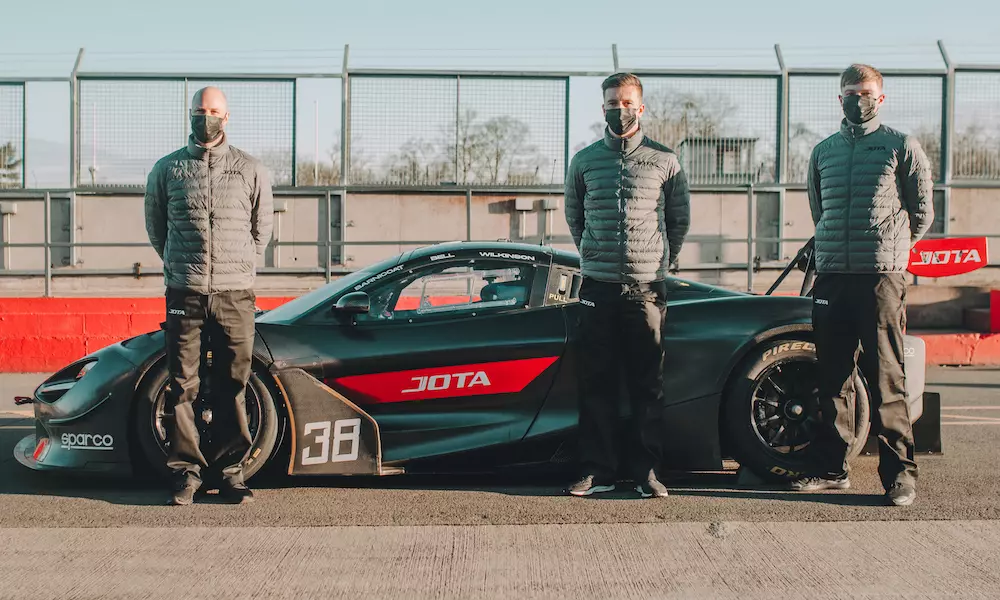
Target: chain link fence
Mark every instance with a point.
(505, 129)
(127, 125)
(458, 130)
(976, 137)
(913, 105)
(725, 129)
(11, 135)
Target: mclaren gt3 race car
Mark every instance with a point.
(459, 357)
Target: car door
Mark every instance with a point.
(454, 354)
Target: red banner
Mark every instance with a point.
(948, 256)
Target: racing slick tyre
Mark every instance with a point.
(770, 410)
(151, 418)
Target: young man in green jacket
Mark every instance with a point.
(628, 209)
(871, 195)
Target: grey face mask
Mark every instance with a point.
(206, 128)
(860, 109)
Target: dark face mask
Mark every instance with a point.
(860, 109)
(206, 128)
(621, 120)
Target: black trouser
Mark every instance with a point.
(849, 309)
(228, 319)
(621, 327)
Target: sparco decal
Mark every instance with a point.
(807, 346)
(375, 278)
(504, 377)
(507, 255)
(87, 441)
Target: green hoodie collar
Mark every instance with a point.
(214, 153)
(852, 131)
(630, 143)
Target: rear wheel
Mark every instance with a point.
(151, 418)
(771, 412)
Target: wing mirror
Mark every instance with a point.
(353, 303)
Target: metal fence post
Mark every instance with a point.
(343, 227)
(614, 56)
(345, 122)
(468, 214)
(48, 244)
(782, 163)
(74, 123)
(947, 134)
(329, 234)
(751, 219)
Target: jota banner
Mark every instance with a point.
(945, 257)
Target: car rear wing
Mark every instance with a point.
(805, 261)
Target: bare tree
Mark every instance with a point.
(328, 172)
(503, 140)
(10, 166)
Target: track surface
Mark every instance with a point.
(711, 538)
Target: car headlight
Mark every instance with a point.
(55, 387)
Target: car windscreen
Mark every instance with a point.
(292, 309)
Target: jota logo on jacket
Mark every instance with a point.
(176, 311)
(822, 302)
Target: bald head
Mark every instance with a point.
(209, 115)
(210, 101)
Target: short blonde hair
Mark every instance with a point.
(858, 73)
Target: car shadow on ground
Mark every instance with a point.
(16, 479)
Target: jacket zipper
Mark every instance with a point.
(211, 224)
(621, 212)
(850, 197)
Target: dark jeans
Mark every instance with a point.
(621, 326)
(228, 318)
(850, 309)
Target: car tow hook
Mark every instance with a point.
(22, 400)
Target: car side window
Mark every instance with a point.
(452, 289)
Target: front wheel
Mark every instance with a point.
(771, 410)
(152, 417)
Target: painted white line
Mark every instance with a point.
(969, 423)
(943, 408)
(971, 418)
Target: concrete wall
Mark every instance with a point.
(395, 217)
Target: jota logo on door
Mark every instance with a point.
(503, 377)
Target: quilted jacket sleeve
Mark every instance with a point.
(677, 211)
(917, 188)
(573, 196)
(156, 209)
(262, 212)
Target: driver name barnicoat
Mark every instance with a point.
(375, 278)
(87, 441)
(507, 255)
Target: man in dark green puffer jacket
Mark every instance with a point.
(628, 210)
(871, 195)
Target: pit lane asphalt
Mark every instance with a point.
(961, 484)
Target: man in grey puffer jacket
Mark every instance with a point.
(628, 210)
(871, 195)
(209, 215)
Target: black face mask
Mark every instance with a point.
(860, 109)
(206, 128)
(621, 120)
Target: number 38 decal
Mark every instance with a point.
(342, 448)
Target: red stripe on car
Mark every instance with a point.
(504, 377)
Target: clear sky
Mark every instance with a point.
(41, 38)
